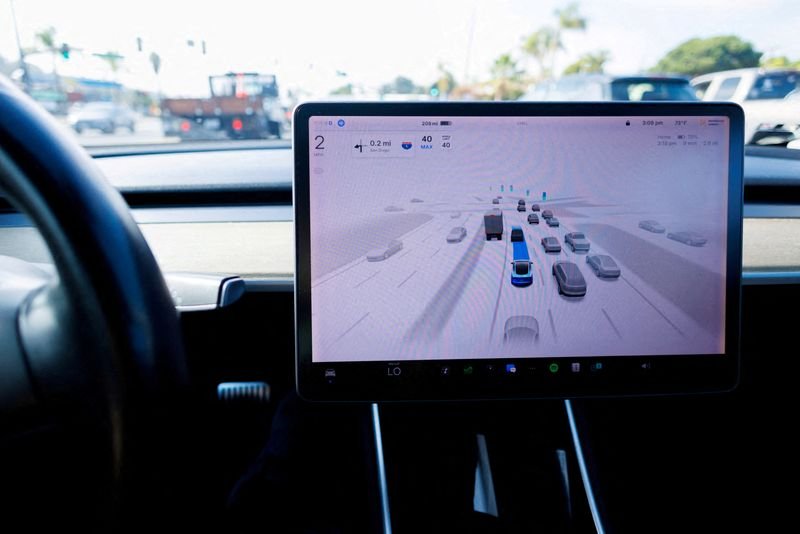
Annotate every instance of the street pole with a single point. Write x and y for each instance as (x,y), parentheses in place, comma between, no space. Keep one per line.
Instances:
(22,64)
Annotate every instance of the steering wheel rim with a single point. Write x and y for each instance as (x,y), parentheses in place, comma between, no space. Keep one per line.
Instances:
(106,330)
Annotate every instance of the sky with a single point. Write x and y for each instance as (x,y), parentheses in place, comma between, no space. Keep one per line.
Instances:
(315,46)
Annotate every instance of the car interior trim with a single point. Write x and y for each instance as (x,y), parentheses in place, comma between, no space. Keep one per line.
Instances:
(486,480)
(184,147)
(581,460)
(775,278)
(381,468)
(749,278)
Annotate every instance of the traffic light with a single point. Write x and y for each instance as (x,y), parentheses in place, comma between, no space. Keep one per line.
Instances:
(65,51)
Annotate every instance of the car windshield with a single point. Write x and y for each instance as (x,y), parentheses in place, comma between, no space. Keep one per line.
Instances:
(577,235)
(635,90)
(214,73)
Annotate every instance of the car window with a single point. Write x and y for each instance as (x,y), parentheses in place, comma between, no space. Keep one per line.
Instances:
(775,85)
(701,88)
(727,88)
(635,91)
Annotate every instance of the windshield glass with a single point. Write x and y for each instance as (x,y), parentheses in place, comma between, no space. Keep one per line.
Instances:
(776,85)
(194,72)
(638,90)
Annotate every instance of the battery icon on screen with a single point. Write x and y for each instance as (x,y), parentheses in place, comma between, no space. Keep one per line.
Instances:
(445,123)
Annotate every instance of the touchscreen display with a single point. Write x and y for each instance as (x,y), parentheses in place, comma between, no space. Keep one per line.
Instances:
(436,238)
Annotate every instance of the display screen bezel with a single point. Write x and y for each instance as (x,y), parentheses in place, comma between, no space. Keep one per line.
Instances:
(602,376)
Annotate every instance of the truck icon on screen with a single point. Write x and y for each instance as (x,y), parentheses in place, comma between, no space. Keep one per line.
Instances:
(493,223)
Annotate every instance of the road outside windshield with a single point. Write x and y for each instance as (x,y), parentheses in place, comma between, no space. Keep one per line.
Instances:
(178,72)
(464,237)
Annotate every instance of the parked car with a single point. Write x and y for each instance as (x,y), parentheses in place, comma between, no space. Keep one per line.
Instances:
(688,238)
(553,222)
(457,234)
(380,254)
(103,116)
(578,241)
(598,87)
(569,279)
(761,93)
(520,329)
(533,218)
(603,265)
(652,226)
(551,244)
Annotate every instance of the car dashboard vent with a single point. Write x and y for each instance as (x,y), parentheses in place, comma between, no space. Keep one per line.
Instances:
(258,392)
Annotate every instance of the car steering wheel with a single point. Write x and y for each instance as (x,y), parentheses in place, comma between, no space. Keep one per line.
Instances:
(99,345)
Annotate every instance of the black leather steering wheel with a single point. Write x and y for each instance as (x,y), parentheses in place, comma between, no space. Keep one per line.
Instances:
(100,344)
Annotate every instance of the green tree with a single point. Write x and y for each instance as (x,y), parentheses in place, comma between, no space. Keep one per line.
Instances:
(570,18)
(445,83)
(401,85)
(47,38)
(700,56)
(588,63)
(544,44)
(506,81)
(779,62)
(540,45)
(346,89)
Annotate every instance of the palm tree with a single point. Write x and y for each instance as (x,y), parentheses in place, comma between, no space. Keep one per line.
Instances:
(540,46)
(589,62)
(543,44)
(506,78)
(46,37)
(570,19)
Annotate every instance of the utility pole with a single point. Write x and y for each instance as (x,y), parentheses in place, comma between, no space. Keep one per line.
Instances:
(26,82)
(470,36)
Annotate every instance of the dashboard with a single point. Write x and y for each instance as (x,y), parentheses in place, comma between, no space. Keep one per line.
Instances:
(251,234)
(240,223)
